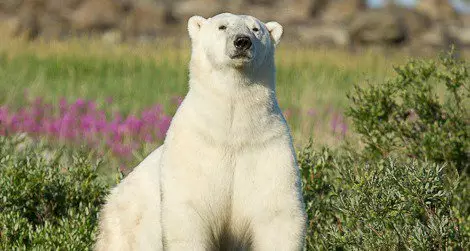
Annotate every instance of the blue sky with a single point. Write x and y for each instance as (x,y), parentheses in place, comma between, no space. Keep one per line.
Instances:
(461,6)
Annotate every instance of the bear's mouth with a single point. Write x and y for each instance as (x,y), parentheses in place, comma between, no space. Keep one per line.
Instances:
(240,56)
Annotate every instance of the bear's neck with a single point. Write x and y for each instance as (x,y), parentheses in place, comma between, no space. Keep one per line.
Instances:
(233,86)
(232,106)
(230,81)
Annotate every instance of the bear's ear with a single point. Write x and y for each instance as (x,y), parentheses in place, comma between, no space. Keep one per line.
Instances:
(275,29)
(194,25)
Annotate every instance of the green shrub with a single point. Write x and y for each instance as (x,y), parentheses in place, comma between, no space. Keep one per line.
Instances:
(387,204)
(408,187)
(47,203)
(423,113)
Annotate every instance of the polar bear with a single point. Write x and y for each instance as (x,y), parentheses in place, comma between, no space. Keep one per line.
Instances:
(226,177)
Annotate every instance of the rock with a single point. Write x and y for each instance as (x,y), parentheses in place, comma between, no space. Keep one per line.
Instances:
(294,11)
(62,7)
(261,2)
(99,15)
(28,19)
(415,22)
(324,35)
(460,34)
(316,7)
(183,10)
(144,20)
(10,26)
(341,12)
(438,10)
(10,6)
(465,19)
(52,26)
(47,18)
(377,26)
(434,23)
(437,37)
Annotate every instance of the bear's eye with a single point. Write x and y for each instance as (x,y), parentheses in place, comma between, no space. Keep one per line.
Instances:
(255,29)
(222,27)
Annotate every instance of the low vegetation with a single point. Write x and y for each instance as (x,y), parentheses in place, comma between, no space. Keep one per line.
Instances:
(403,186)
(49,198)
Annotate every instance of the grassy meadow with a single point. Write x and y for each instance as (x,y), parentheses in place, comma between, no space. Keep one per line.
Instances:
(311,83)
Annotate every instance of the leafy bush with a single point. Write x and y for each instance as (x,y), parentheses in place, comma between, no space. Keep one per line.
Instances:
(422,113)
(408,187)
(47,203)
(387,204)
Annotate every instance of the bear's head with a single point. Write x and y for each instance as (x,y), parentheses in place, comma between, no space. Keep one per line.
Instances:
(235,41)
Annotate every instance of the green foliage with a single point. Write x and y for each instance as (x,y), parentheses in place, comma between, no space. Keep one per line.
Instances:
(408,187)
(383,205)
(406,116)
(47,203)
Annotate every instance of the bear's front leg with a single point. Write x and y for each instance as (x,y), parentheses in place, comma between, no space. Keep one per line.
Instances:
(195,193)
(183,228)
(280,229)
(270,196)
(194,218)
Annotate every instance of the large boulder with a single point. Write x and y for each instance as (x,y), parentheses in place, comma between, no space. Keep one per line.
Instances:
(461,34)
(99,15)
(377,27)
(10,6)
(462,31)
(435,39)
(341,12)
(29,15)
(130,19)
(63,7)
(415,22)
(145,21)
(48,18)
(10,25)
(183,10)
(323,35)
(438,10)
(317,7)
(296,11)
(261,2)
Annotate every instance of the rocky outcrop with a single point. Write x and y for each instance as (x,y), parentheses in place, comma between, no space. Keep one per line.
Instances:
(61,18)
(434,23)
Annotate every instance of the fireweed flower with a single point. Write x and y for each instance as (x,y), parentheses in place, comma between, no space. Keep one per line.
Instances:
(82,122)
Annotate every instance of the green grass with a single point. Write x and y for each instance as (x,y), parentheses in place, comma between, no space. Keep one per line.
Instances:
(132,82)
(137,76)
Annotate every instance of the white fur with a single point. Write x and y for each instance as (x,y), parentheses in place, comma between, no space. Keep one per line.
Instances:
(276,31)
(130,220)
(229,178)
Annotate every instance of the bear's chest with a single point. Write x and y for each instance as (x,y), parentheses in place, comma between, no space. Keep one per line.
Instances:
(226,124)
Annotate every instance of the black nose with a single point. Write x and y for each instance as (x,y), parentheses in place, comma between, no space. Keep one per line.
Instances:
(242,43)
